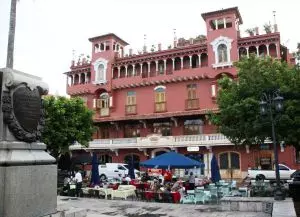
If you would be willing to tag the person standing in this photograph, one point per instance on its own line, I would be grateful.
(78, 180)
(191, 181)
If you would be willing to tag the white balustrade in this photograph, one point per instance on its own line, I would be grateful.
(155, 141)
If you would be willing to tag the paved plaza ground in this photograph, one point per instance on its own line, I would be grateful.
(129, 208)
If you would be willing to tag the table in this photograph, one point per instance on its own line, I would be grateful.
(105, 191)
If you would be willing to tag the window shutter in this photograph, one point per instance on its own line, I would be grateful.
(94, 103)
(98, 105)
(111, 102)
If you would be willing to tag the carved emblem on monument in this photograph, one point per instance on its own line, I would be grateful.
(23, 111)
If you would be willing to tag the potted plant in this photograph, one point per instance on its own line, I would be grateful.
(169, 47)
(152, 48)
(250, 31)
(267, 28)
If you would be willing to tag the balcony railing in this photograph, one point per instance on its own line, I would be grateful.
(157, 141)
(160, 107)
(191, 104)
(130, 109)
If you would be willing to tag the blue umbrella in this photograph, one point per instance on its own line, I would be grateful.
(95, 180)
(171, 160)
(215, 171)
(131, 169)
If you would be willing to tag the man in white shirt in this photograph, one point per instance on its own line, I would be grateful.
(78, 179)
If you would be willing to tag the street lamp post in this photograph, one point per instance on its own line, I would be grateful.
(268, 103)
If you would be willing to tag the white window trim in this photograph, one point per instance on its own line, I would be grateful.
(158, 87)
(215, 44)
(96, 66)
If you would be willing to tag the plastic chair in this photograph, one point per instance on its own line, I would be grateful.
(190, 198)
(200, 197)
(233, 184)
(214, 193)
(190, 191)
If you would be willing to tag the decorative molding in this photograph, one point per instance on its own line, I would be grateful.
(215, 44)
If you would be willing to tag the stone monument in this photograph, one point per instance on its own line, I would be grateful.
(28, 174)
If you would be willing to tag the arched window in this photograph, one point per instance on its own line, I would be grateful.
(100, 72)
(222, 53)
(160, 98)
(229, 160)
(104, 98)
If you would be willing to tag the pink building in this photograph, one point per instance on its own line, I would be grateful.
(158, 101)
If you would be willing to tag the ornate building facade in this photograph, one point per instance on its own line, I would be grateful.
(154, 102)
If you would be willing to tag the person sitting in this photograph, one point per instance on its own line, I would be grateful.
(145, 177)
(167, 176)
(177, 185)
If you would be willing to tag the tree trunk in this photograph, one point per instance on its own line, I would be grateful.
(11, 35)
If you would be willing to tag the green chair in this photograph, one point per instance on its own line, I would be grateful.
(188, 199)
(200, 197)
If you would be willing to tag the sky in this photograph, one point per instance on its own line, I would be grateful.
(48, 31)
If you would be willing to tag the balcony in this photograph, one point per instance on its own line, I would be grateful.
(160, 107)
(191, 104)
(130, 109)
(157, 141)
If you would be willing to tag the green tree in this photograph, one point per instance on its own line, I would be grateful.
(67, 121)
(239, 116)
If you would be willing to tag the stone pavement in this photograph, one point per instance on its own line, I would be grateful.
(129, 208)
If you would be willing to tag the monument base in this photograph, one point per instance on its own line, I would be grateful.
(28, 180)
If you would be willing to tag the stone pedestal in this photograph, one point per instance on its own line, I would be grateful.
(28, 174)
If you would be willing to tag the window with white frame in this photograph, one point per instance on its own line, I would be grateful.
(221, 47)
(100, 66)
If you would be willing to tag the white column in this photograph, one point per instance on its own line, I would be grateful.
(141, 64)
(73, 80)
(277, 51)
(216, 23)
(181, 59)
(247, 48)
(79, 79)
(165, 66)
(173, 63)
(199, 55)
(156, 62)
(119, 71)
(86, 78)
(224, 22)
(148, 69)
(133, 70)
(126, 70)
(268, 52)
(191, 57)
(213, 90)
(257, 51)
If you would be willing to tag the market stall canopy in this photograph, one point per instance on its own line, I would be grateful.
(171, 160)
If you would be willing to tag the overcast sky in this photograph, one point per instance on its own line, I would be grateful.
(48, 30)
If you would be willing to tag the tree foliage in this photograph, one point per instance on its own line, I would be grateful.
(67, 121)
(239, 118)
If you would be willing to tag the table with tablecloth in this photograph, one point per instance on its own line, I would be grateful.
(149, 195)
(140, 185)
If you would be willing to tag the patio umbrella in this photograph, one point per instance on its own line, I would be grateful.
(131, 169)
(171, 160)
(95, 180)
(215, 171)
